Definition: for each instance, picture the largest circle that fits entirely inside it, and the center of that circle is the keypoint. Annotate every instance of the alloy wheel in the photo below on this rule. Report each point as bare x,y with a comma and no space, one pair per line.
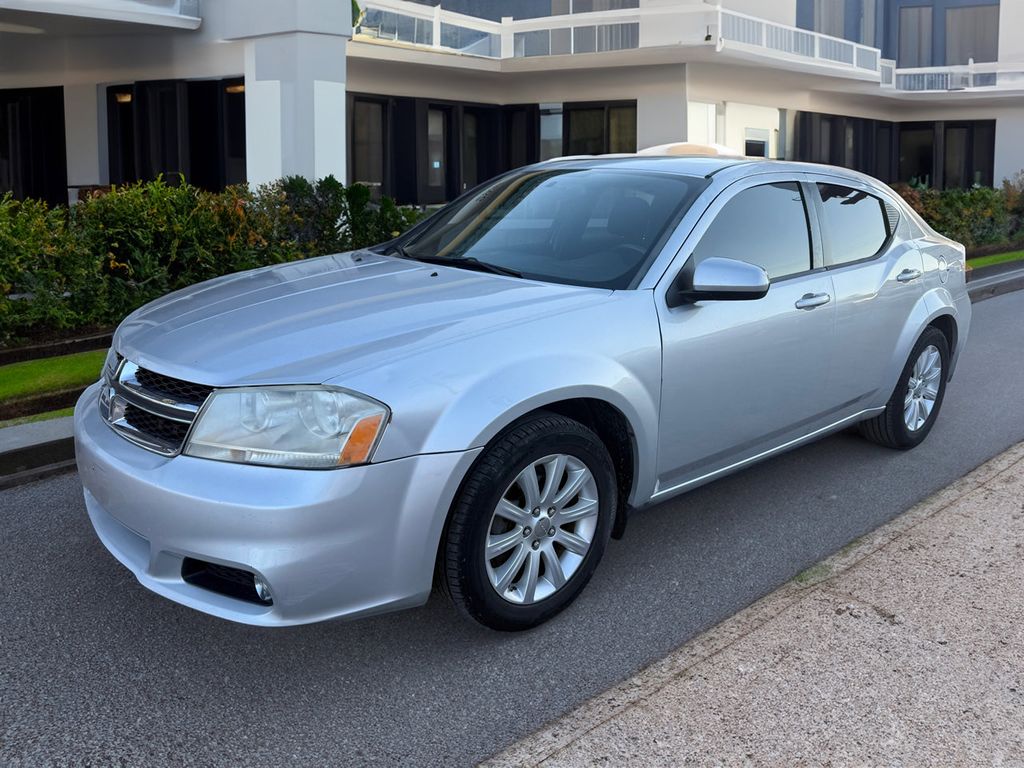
922,388
542,529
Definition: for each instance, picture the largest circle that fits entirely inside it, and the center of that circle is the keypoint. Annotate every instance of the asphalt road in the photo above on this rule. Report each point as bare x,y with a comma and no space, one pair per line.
94,669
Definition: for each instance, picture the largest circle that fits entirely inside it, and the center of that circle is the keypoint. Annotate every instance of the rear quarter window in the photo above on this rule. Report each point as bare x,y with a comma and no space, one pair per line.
856,224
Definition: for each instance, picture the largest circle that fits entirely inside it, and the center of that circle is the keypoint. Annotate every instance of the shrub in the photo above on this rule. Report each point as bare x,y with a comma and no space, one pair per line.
47,279
976,217
117,250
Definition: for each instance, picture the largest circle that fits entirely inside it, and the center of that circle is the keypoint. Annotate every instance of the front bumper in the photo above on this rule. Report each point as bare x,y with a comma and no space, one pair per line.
336,543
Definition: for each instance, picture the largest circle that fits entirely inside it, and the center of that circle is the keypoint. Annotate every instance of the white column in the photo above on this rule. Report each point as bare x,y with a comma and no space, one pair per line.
86,154
295,107
661,108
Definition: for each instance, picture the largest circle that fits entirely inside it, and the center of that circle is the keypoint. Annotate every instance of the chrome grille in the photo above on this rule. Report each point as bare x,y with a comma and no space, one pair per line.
151,410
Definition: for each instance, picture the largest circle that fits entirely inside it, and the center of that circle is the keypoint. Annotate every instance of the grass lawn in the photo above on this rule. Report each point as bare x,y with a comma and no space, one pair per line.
998,258
52,374
37,417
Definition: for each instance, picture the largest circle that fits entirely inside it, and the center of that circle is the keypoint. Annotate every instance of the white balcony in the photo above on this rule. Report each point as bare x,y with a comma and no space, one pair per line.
687,23
987,78
174,14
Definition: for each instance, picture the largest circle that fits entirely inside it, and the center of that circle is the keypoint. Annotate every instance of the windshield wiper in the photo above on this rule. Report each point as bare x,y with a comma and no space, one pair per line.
468,262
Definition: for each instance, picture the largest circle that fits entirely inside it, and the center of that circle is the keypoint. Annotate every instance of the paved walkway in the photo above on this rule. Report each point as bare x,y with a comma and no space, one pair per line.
904,649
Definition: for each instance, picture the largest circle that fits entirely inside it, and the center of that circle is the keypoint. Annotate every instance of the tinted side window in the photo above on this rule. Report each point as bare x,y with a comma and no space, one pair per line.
856,225
764,225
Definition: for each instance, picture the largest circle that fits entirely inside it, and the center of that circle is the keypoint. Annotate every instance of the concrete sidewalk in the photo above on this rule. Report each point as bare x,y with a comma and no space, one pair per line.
905,648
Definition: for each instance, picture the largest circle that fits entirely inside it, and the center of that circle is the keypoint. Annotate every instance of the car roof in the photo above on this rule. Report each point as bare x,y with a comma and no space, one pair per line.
708,166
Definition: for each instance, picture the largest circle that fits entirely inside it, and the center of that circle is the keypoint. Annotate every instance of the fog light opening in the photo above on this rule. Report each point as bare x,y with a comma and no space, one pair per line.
262,589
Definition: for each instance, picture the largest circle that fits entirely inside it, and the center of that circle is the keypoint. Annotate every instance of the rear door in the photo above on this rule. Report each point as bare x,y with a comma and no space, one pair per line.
877,280
742,377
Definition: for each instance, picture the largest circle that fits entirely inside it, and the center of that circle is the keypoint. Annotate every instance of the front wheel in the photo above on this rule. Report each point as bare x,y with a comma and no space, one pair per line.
911,411
530,524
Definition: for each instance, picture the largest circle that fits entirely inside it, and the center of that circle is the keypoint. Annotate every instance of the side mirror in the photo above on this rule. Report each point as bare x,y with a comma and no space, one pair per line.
717,279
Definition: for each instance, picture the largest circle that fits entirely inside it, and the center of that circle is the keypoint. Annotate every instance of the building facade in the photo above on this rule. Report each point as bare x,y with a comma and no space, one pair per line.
421,101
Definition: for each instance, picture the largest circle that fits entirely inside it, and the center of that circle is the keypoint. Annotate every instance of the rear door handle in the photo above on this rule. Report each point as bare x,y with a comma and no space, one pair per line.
908,274
812,300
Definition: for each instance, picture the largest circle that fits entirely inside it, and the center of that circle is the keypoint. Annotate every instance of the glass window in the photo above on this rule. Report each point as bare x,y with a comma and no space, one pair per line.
368,145
830,17
916,148
957,160
599,129
764,225
550,132
622,128
584,226
915,48
436,141
587,6
618,37
586,131
536,43
855,224
972,33
584,39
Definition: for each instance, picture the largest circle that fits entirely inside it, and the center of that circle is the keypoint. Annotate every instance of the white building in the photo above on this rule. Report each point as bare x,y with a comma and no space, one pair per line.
422,101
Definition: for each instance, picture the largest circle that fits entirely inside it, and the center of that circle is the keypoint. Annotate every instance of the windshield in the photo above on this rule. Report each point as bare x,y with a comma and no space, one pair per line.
595,227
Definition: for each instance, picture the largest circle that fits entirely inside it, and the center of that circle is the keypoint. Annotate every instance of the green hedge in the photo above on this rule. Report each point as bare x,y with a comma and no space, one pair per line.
62,270
977,217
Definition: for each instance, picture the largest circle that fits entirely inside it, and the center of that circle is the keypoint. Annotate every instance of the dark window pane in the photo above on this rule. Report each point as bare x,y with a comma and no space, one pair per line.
550,134
916,145
957,160
915,48
972,33
437,134
586,131
622,129
855,224
983,155
470,150
752,148
368,145
765,225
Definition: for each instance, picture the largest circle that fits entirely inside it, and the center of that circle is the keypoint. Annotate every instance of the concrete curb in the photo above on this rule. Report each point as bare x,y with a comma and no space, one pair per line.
51,456
552,740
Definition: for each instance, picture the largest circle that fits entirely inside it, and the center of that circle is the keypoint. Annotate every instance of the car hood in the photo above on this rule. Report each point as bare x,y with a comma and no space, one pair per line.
314,320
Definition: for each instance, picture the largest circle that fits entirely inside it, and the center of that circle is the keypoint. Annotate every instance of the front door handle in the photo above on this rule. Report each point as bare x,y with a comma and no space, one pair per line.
908,274
812,300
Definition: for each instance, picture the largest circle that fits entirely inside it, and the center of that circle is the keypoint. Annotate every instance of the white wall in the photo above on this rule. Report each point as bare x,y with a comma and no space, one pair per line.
1009,147
739,118
701,123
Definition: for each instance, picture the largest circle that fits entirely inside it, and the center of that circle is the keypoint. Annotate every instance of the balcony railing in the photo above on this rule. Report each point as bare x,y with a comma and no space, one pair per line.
759,33
961,77
696,22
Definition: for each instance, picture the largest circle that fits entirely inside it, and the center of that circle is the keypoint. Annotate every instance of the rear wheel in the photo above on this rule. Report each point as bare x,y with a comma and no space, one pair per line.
911,411
530,524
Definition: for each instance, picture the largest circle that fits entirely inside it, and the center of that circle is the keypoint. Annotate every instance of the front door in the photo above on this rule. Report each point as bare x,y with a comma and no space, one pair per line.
742,377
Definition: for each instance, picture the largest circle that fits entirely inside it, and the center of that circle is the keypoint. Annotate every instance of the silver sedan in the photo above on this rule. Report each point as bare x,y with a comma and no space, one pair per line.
479,405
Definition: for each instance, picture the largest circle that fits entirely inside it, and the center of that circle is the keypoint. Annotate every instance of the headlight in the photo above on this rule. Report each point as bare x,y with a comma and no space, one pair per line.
110,364
301,427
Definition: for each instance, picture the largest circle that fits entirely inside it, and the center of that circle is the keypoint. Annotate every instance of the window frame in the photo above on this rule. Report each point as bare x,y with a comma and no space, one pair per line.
826,235
682,263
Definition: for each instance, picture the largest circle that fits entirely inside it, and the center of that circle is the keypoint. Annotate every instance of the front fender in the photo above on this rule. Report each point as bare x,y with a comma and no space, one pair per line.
462,396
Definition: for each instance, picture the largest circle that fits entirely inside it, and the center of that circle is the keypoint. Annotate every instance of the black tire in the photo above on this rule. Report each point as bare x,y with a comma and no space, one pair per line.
462,565
889,428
